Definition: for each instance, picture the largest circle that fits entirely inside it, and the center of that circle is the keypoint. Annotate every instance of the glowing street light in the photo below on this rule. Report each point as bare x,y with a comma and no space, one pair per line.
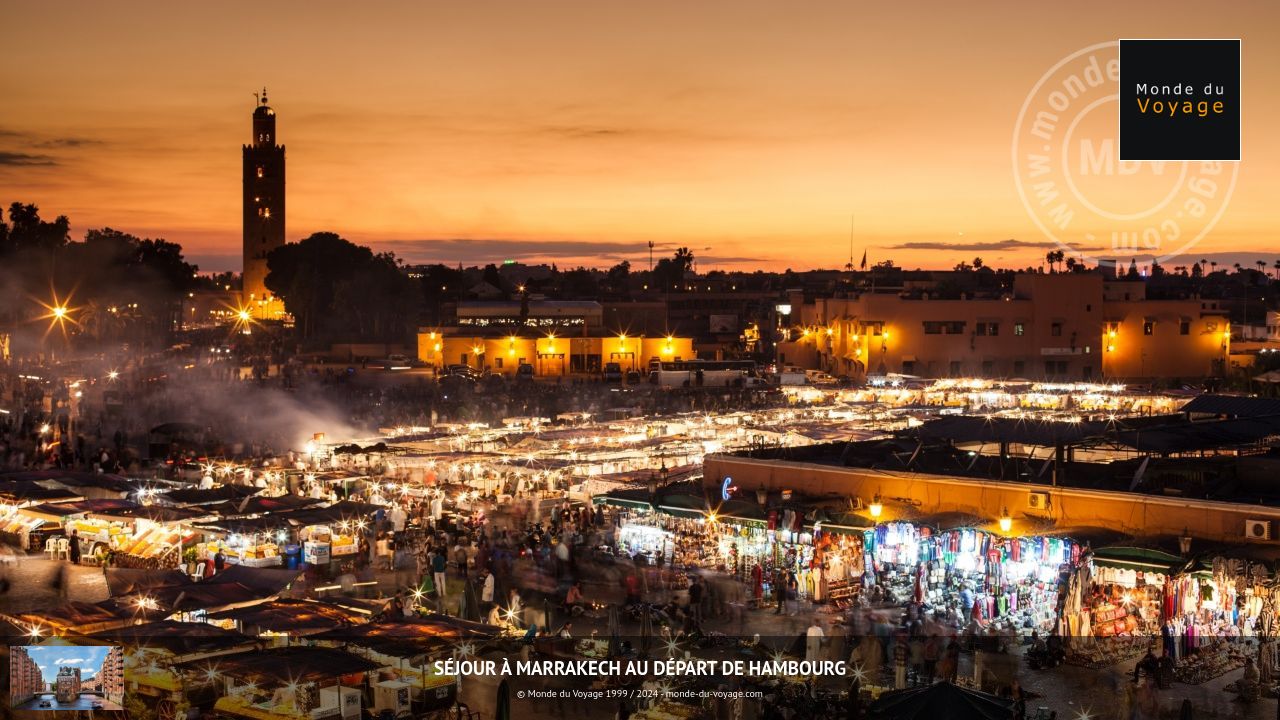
1006,522
876,507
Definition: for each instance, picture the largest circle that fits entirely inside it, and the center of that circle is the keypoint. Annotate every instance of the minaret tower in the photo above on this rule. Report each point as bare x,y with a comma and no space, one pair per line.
263,210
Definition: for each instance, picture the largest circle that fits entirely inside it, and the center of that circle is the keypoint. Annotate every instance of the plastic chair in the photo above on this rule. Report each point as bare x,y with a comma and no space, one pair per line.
199,573
64,548
51,546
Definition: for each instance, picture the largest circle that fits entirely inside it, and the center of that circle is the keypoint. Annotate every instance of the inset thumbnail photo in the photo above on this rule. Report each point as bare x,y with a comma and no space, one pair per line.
66,677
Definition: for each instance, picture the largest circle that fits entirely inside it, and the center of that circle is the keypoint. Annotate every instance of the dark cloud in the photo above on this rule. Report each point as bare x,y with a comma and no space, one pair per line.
593,253
67,142
586,132
990,245
17,159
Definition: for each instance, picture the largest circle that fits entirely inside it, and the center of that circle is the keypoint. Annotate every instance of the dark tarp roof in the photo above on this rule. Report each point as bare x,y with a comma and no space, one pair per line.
411,637
196,496
1233,405
940,700
236,585
255,504
1201,435
291,616
27,491
337,512
128,581
176,637
83,507
1045,433
285,665
73,478
75,616
156,513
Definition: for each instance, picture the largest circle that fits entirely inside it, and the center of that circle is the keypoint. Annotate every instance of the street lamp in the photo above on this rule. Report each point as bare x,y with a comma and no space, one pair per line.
1006,522
1184,543
876,507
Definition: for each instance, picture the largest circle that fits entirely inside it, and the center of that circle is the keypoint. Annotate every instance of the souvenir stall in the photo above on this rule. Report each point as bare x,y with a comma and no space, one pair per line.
1014,579
1112,607
1122,599
1208,609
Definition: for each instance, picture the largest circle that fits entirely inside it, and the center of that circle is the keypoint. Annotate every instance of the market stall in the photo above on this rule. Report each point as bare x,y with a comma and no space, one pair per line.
292,682
968,574
405,650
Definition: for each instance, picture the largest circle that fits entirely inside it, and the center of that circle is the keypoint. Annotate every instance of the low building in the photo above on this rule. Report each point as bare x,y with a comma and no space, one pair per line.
549,354
1067,327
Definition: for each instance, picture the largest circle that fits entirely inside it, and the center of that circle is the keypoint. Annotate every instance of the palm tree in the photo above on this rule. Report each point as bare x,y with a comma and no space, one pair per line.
1277,267
1262,266
1213,266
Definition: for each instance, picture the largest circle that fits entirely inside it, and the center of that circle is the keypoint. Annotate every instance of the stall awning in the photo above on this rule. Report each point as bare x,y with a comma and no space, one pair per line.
1141,559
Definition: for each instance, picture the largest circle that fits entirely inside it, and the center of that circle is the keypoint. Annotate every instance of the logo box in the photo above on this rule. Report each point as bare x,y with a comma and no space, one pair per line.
1180,99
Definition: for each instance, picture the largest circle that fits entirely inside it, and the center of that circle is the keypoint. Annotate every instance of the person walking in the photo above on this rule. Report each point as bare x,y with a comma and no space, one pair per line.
486,591
439,564
73,548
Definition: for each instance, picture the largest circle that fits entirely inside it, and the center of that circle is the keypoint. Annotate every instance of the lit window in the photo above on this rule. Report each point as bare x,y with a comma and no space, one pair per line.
1148,328
259,171
1019,329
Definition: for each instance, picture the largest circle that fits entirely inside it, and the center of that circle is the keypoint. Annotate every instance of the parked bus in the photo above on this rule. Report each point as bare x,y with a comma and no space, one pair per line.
705,373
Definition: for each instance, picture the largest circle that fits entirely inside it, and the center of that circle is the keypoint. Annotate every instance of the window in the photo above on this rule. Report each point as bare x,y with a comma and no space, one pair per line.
1056,329
1184,327
1088,307
1087,373
908,367
259,171
462,359
943,327
1148,328
1019,329
987,329
497,362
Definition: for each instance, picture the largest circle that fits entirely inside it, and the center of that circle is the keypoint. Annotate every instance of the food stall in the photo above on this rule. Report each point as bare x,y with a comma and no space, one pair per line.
158,534
289,682
405,650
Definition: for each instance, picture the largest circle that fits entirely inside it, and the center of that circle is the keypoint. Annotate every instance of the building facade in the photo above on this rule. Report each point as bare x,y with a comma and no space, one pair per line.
555,337
67,684
264,210
1068,327
25,678
111,676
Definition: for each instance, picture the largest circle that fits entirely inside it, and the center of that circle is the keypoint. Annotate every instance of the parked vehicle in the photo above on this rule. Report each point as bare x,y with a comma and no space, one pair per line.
612,372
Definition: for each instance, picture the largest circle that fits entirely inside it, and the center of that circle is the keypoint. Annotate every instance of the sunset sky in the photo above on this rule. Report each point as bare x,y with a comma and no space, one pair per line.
577,132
